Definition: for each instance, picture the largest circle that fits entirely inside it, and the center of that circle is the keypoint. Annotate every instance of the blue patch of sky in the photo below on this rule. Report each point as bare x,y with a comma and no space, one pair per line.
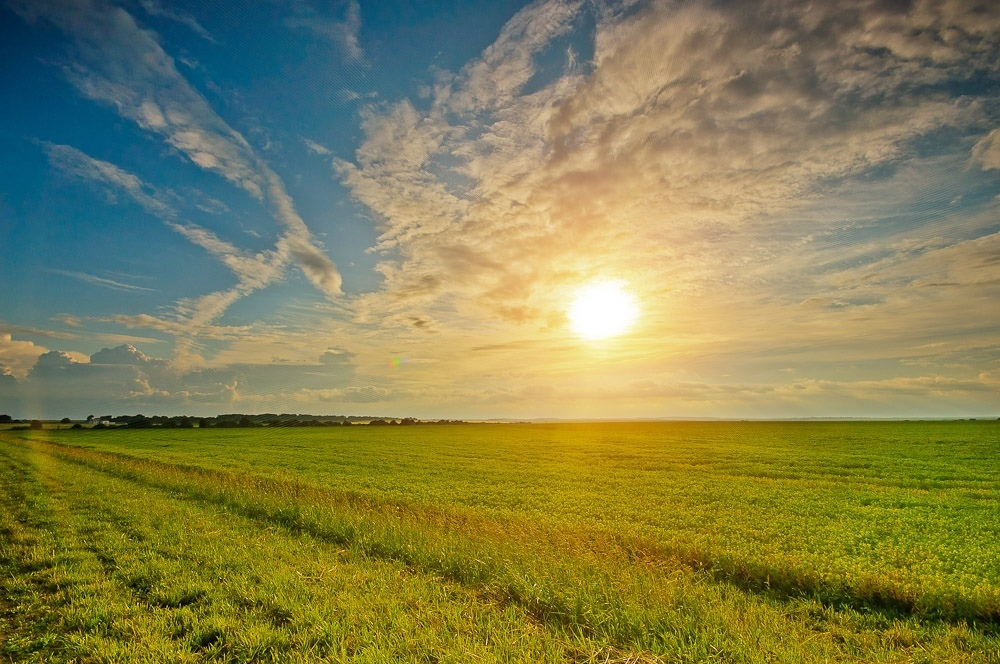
939,196
554,61
406,40
337,221
263,304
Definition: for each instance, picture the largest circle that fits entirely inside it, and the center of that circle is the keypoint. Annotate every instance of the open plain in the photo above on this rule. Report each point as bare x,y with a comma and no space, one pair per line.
611,542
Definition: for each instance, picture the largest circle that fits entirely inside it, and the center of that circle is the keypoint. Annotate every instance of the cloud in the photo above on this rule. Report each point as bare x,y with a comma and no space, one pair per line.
52,363
691,126
124,66
124,379
102,281
342,33
34,331
68,320
987,151
253,271
124,354
154,8
366,394
775,185
16,356
73,162
336,356
316,148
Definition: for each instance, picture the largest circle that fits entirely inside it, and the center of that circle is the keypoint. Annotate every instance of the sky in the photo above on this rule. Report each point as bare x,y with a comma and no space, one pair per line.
390,208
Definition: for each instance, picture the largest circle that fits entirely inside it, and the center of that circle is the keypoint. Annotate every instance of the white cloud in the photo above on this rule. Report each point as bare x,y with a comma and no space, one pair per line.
316,148
124,354
16,356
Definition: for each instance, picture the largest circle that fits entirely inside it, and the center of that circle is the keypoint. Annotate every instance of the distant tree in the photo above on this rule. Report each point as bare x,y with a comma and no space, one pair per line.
186,423
65,420
101,425
77,426
6,419
35,425
90,419
203,423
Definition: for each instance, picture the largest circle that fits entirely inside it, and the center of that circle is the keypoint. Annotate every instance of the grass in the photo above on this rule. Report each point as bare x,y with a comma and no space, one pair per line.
729,542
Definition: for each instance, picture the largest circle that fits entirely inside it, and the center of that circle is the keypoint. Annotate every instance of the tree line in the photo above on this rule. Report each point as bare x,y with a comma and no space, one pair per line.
231,420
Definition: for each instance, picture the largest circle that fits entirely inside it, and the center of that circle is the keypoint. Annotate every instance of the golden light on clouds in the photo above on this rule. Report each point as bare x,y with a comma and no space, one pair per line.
602,309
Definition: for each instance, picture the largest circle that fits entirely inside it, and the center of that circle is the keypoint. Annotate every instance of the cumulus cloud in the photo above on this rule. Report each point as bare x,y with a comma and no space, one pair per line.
16,356
124,379
52,363
124,354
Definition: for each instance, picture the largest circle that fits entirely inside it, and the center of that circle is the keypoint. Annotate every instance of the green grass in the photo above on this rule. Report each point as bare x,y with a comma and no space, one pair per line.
729,542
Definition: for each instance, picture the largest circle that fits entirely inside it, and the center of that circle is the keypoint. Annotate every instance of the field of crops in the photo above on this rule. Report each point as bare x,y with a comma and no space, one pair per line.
638,542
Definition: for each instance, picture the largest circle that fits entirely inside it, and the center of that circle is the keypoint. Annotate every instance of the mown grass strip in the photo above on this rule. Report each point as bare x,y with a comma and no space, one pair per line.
146,577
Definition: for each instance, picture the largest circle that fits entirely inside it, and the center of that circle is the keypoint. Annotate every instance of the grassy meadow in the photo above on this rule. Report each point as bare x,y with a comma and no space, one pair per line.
628,542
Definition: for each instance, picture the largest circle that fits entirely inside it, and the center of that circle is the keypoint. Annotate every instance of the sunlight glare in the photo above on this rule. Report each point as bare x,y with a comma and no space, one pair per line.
602,309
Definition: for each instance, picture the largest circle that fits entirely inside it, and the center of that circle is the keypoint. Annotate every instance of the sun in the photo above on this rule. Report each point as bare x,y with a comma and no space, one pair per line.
602,309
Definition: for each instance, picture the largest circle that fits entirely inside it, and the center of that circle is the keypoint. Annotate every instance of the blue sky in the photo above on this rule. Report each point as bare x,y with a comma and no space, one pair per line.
389,208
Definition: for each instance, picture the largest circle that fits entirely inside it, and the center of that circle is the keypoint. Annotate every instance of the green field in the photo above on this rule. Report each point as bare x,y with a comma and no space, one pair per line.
639,542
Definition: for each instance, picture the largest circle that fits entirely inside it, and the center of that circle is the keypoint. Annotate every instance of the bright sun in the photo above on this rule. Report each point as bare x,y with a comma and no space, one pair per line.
602,309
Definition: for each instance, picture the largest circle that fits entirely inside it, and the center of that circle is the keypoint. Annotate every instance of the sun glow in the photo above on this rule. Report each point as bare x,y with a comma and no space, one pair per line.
602,309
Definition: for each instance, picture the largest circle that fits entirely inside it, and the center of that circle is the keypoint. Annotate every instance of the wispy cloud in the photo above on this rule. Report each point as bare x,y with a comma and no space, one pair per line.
34,331
253,271
154,8
124,66
344,33
102,281
316,148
